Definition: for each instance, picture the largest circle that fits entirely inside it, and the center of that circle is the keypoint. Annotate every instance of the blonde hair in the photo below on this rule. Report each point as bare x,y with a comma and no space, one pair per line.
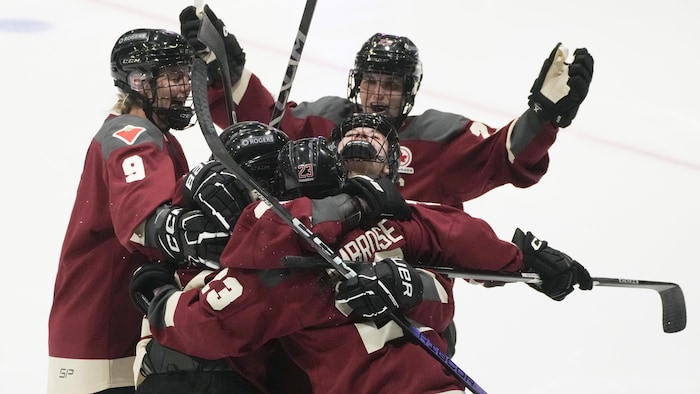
124,104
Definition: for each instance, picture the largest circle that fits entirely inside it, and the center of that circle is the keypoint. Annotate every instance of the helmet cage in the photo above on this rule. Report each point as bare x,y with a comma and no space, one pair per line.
139,57
180,110
379,123
390,55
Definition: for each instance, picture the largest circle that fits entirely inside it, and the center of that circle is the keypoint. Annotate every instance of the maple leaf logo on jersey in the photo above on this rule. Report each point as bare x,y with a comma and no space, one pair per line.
129,134
405,159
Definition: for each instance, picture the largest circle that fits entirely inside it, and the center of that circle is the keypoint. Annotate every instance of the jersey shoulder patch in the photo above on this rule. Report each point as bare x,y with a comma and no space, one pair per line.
127,130
129,133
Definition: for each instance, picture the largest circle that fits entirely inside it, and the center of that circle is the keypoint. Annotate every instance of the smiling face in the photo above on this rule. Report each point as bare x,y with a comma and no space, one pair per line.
173,86
168,93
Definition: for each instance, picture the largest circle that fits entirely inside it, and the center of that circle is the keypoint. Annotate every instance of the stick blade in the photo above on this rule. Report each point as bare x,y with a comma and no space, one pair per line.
672,300
673,307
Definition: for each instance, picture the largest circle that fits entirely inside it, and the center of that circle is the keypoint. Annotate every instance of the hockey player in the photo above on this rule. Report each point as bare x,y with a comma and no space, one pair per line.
277,303
300,310
131,167
369,148
191,232
386,77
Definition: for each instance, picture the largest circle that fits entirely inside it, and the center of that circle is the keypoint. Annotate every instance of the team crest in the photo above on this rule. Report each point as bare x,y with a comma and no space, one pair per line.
405,161
385,41
129,134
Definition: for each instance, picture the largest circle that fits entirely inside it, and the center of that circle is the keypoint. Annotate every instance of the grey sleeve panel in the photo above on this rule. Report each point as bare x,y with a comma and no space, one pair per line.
434,125
335,208
332,108
525,129
127,130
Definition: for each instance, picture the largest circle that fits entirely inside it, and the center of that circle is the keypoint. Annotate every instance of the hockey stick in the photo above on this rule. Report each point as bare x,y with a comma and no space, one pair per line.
209,36
672,299
293,64
201,104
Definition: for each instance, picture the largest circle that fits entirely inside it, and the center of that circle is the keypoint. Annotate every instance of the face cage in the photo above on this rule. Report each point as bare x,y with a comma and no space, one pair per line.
409,93
180,110
388,157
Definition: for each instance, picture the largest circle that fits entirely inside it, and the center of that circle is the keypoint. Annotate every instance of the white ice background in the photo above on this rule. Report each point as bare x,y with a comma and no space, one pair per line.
620,196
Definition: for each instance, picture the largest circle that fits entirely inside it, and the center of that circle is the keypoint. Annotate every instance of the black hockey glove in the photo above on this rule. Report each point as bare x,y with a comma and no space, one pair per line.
186,236
189,27
388,285
148,280
560,88
212,188
558,271
380,198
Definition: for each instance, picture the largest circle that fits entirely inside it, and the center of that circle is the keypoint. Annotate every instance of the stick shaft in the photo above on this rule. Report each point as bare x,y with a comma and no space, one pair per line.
199,94
210,37
293,64
672,299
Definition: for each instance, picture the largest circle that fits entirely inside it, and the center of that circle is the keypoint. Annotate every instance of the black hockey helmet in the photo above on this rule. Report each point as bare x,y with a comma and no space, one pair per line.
309,167
141,55
364,151
255,146
388,54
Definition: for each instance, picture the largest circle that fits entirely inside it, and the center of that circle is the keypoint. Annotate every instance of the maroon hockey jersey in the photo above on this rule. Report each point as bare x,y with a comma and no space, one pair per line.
445,158
131,167
255,299
436,235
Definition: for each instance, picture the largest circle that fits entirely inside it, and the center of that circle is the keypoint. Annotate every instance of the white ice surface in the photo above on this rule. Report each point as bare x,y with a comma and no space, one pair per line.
621,195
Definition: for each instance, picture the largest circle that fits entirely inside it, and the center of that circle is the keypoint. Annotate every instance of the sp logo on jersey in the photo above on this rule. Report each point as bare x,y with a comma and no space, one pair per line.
129,134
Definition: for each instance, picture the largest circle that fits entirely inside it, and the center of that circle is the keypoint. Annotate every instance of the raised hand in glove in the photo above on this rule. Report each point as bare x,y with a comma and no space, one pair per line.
148,280
388,285
561,87
212,188
558,271
379,198
190,23
186,236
